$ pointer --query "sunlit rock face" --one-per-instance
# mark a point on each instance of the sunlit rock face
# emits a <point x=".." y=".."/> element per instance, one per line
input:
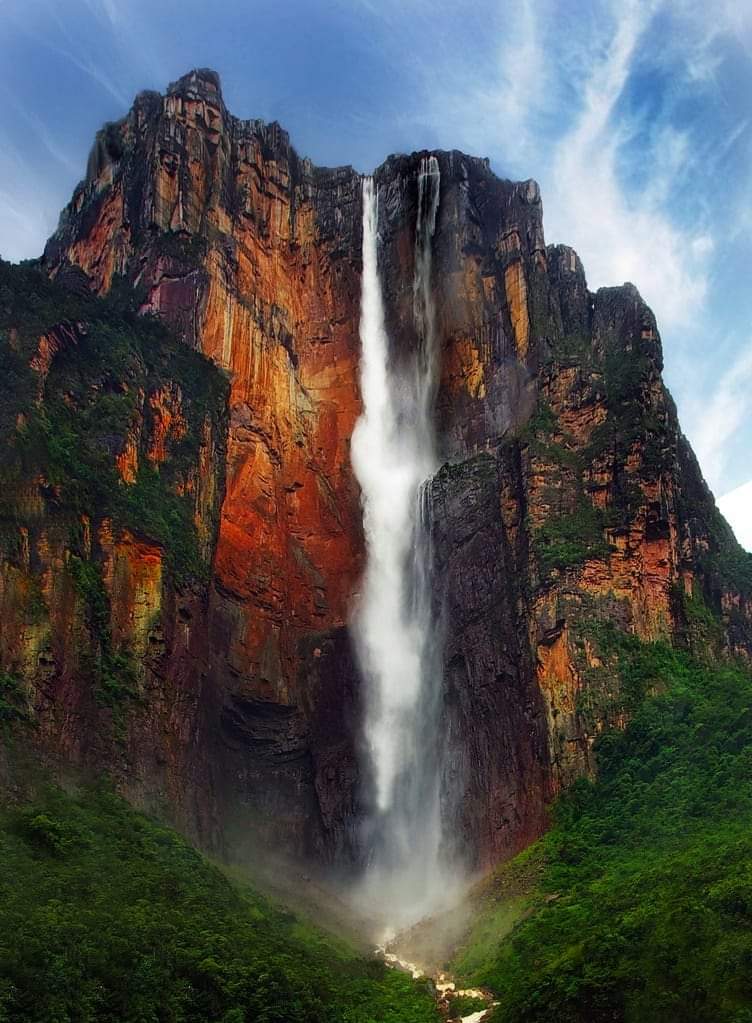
<point x="106" y="649"/>
<point x="568" y="496"/>
<point x="253" y="254"/>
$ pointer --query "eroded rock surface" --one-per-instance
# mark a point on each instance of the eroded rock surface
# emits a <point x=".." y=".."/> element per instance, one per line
<point x="568" y="498"/>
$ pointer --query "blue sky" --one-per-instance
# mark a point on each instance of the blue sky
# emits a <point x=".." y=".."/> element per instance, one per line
<point x="635" y="117"/>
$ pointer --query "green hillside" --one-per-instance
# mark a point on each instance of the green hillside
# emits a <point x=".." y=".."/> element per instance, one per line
<point x="642" y="911"/>
<point x="106" y="915"/>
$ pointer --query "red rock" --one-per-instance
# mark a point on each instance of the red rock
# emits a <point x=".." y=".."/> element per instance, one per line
<point x="253" y="256"/>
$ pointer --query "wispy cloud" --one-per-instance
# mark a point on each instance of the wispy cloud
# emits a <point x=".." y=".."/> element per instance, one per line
<point x="106" y="10"/>
<point x="552" y="105"/>
<point x="737" y="508"/>
<point x="632" y="114"/>
<point x="23" y="215"/>
<point x="522" y="78"/>
<point x="92" y="70"/>
<point x="41" y="131"/>
<point x="55" y="35"/>
<point x="616" y="113"/>
<point x="716" y="417"/>
<point x="97" y="45"/>
<point x="489" y="101"/>
<point x="28" y="207"/>
<point x="621" y="236"/>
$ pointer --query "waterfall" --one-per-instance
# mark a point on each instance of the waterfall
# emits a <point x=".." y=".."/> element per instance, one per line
<point x="396" y="629"/>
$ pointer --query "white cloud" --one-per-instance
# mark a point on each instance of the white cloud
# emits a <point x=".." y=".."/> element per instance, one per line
<point x="107" y="9"/>
<point x="703" y="245"/>
<point x="717" y="417"/>
<point x="487" y="101"/>
<point x="523" y="79"/>
<point x="28" y="207"/>
<point x="627" y="177"/>
<point x="737" y="508"/>
<point x="552" y="107"/>
<point x="621" y="237"/>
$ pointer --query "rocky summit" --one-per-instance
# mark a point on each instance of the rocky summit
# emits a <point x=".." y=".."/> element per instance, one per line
<point x="182" y="535"/>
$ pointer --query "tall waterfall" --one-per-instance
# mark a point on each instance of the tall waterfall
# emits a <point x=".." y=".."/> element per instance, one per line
<point x="396" y="628"/>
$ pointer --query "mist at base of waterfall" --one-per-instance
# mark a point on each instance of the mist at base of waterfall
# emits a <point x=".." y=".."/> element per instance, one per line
<point x="397" y="625"/>
<point x="394" y="901"/>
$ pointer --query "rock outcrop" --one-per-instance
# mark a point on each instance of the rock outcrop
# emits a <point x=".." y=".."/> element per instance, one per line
<point x="569" y="498"/>
<point x="112" y="456"/>
<point x="252" y="255"/>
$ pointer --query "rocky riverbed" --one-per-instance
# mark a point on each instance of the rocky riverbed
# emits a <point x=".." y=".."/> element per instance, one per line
<point x="450" y="999"/>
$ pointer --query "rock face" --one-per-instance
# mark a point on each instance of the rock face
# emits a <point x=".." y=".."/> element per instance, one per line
<point x="112" y="454"/>
<point x="568" y="498"/>
<point x="252" y="254"/>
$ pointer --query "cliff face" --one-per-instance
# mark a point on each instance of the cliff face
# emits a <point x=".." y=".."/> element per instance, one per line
<point x="252" y="254"/>
<point x="569" y="500"/>
<point x="112" y="452"/>
<point x="569" y="497"/>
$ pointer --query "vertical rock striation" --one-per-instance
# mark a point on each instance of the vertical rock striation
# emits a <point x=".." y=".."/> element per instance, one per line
<point x="252" y="254"/>
<point x="112" y="452"/>
<point x="568" y="497"/>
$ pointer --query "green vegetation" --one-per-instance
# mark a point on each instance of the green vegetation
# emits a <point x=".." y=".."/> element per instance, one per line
<point x="464" y="1005"/>
<point x="574" y="534"/>
<point x="538" y="433"/>
<point x="150" y="507"/>
<point x="705" y="629"/>
<point x="570" y="539"/>
<point x="542" y="423"/>
<point x="64" y="424"/>
<point x="726" y="557"/>
<point x="629" y="423"/>
<point x="576" y="350"/>
<point x="496" y="919"/>
<point x="105" y="915"/>
<point x="112" y="671"/>
<point x="93" y="399"/>
<point x="189" y="250"/>
<point x="13" y="704"/>
<point x="643" y="913"/>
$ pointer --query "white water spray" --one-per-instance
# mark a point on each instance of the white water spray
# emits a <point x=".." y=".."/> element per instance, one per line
<point x="397" y="633"/>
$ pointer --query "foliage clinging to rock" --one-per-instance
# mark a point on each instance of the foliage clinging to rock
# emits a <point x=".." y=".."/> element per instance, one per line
<point x="644" y="910"/>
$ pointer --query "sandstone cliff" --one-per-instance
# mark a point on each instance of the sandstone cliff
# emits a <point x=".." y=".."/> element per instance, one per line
<point x="568" y="498"/>
<point x="112" y="457"/>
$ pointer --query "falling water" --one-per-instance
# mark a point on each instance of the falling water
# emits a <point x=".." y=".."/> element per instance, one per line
<point x="396" y="628"/>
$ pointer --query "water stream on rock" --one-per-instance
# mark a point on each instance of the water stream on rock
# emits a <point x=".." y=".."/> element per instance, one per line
<point x="445" y="989"/>
<point x="397" y="631"/>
